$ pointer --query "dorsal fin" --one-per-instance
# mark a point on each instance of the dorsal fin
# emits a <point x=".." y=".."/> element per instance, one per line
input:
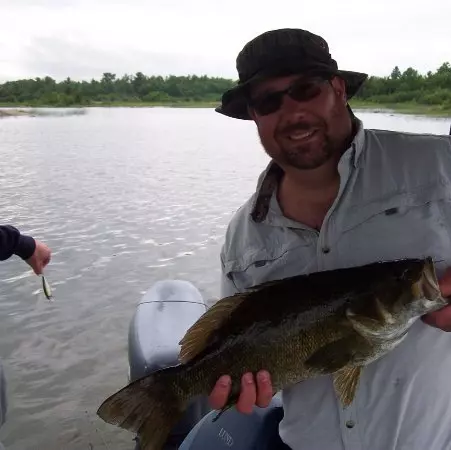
<point x="196" y="338"/>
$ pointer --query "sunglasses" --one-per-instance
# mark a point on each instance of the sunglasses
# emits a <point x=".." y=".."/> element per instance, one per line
<point x="301" y="90"/>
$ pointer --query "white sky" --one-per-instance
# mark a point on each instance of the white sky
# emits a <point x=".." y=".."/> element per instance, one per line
<point x="84" y="38"/>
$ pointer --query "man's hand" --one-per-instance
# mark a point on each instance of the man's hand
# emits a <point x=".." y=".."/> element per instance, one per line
<point x="442" y="318"/>
<point x="251" y="394"/>
<point x="40" y="258"/>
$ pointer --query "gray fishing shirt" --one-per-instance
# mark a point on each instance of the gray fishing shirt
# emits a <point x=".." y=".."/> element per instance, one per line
<point x="394" y="202"/>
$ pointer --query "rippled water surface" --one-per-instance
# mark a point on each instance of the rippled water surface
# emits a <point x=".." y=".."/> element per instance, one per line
<point x="124" y="197"/>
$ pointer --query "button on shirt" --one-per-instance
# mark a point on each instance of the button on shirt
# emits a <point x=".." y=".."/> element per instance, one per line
<point x="394" y="202"/>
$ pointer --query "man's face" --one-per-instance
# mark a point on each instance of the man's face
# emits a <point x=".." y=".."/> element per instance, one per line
<point x="305" y="131"/>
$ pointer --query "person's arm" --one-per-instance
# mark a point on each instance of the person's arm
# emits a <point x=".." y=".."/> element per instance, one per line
<point x="13" y="242"/>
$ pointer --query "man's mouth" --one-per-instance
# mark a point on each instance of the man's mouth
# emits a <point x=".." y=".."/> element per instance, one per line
<point x="298" y="136"/>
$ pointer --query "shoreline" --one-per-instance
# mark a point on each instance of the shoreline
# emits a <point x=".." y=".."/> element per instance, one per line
<point x="13" y="110"/>
<point x="403" y="108"/>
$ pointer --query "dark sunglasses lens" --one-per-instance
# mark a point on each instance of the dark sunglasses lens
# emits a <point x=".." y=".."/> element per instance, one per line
<point x="305" y="91"/>
<point x="301" y="91"/>
<point x="268" y="104"/>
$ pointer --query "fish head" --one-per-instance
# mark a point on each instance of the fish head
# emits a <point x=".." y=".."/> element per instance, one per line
<point x="392" y="307"/>
<point x="421" y="291"/>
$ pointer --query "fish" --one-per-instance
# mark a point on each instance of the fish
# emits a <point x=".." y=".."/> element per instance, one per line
<point x="46" y="288"/>
<point x="332" y="322"/>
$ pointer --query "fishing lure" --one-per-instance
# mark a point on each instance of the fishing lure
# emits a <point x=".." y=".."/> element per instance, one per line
<point x="46" y="289"/>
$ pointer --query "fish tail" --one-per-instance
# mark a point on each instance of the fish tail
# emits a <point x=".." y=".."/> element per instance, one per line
<point x="150" y="407"/>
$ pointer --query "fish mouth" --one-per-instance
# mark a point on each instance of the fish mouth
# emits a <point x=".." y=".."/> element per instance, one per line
<point x="430" y="286"/>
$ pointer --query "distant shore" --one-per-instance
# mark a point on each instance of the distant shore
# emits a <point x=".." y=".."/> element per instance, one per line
<point x="13" y="112"/>
<point x="402" y="91"/>
<point x="403" y="108"/>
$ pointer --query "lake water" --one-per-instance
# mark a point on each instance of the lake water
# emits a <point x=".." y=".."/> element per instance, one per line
<point x="124" y="197"/>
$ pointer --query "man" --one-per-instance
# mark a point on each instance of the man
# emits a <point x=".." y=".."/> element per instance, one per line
<point x="37" y="255"/>
<point x="336" y="195"/>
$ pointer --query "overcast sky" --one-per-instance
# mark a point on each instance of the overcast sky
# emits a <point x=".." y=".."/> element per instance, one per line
<point x="84" y="38"/>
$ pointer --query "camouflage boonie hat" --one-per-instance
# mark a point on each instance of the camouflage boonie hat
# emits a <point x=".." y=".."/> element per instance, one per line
<point x="282" y="52"/>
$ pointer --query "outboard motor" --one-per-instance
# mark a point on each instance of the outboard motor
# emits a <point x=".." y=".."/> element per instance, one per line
<point x="162" y="317"/>
<point x="233" y="430"/>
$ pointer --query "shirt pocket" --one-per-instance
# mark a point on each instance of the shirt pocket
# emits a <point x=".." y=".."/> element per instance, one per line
<point x="411" y="224"/>
<point x="274" y="262"/>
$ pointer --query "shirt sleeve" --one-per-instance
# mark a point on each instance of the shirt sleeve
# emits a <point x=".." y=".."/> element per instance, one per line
<point x="227" y="286"/>
<point x="12" y="242"/>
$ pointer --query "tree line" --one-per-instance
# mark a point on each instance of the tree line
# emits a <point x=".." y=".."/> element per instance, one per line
<point x="409" y="86"/>
<point x="129" y="88"/>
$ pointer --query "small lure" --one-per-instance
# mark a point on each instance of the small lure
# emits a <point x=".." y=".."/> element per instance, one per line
<point x="46" y="288"/>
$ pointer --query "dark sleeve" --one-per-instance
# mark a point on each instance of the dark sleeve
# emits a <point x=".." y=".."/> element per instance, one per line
<point x="12" y="242"/>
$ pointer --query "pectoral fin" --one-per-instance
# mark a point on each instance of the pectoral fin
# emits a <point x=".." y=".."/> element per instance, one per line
<point x="346" y="381"/>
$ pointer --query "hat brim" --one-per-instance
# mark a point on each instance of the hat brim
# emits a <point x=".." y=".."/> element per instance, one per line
<point x="234" y="103"/>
